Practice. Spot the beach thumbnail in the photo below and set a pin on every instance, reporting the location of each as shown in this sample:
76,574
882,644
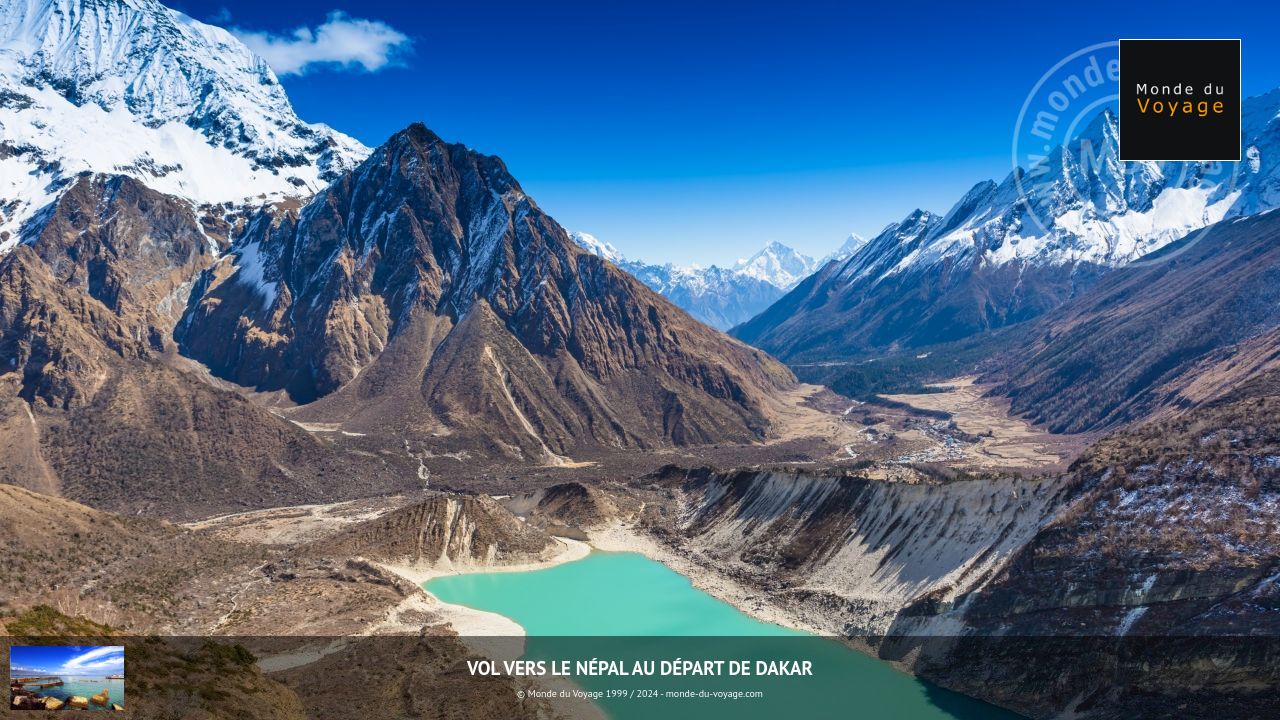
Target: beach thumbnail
66,677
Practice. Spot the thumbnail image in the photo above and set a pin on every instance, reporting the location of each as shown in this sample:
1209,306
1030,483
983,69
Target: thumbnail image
66,677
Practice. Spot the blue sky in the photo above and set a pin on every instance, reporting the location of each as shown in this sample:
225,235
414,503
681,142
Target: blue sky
695,133
83,661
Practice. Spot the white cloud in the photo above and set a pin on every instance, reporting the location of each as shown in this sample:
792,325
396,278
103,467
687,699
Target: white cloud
341,41
100,659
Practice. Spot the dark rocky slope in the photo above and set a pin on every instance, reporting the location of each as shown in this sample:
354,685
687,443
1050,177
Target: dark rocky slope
95,409
1189,321
1153,592
103,279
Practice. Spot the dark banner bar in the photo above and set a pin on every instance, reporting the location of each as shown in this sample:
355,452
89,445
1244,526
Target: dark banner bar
668,677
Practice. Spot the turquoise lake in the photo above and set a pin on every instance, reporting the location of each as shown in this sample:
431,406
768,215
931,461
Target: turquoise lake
624,606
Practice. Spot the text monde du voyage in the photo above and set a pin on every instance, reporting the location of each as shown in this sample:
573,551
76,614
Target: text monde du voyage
1180,99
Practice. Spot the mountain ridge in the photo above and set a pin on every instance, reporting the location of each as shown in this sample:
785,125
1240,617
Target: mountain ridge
94,401
1009,251
1149,339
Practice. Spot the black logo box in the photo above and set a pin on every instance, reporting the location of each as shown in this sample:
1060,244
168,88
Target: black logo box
1188,65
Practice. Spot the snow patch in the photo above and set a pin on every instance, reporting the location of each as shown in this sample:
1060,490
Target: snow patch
251,270
1131,617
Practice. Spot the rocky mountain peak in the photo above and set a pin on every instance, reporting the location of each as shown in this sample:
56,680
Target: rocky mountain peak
429,258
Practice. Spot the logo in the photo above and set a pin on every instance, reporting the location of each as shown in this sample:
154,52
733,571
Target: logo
1180,100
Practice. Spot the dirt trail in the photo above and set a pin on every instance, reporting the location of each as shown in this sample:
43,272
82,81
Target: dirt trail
296,523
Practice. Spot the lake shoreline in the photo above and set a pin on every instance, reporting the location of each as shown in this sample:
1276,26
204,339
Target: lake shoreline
748,600
470,622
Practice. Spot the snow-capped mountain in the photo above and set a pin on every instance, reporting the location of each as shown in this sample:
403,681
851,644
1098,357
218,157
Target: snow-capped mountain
132,87
719,297
1082,204
777,265
1009,251
598,247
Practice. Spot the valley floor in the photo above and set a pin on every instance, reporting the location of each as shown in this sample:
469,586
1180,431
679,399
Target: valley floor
958,425
989,437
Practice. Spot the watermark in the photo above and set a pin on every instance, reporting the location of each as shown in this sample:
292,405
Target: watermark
1066,150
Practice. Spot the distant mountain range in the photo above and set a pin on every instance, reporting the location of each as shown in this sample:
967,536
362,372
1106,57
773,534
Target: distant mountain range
723,297
1010,251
